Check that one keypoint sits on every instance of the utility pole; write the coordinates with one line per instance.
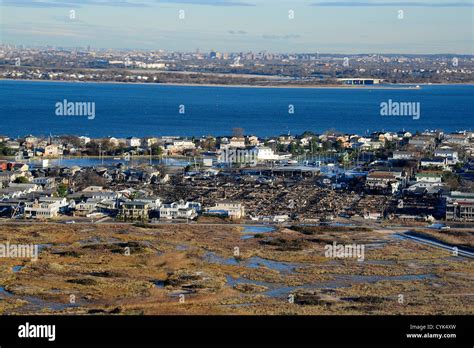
(100, 152)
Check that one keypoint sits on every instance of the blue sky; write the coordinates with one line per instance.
(428, 26)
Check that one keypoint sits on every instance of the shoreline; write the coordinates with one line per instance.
(98, 158)
(358, 87)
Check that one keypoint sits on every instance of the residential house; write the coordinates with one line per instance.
(44, 208)
(134, 142)
(438, 162)
(405, 155)
(84, 140)
(385, 181)
(253, 141)
(422, 143)
(180, 210)
(266, 154)
(134, 211)
(457, 139)
(460, 206)
(237, 142)
(52, 150)
(451, 156)
(45, 181)
(231, 209)
(18, 167)
(180, 145)
(429, 177)
(86, 207)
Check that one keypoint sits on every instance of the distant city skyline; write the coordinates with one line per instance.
(410, 27)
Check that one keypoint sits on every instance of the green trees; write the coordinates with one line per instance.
(62, 190)
(6, 151)
(21, 180)
(156, 150)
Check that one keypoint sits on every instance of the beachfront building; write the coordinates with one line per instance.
(52, 150)
(231, 209)
(180, 210)
(86, 207)
(179, 145)
(460, 206)
(44, 208)
(134, 211)
(237, 142)
(134, 142)
(266, 154)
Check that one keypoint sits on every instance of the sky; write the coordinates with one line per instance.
(325, 26)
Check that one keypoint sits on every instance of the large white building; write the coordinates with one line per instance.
(180, 210)
(266, 154)
(134, 142)
(429, 177)
(44, 208)
(451, 156)
(438, 162)
(404, 155)
(231, 209)
(180, 145)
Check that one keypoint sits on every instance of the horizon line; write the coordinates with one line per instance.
(55, 47)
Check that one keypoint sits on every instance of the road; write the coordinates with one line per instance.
(437, 244)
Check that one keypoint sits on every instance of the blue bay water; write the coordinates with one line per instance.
(28, 107)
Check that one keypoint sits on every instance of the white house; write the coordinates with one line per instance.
(451, 156)
(84, 140)
(52, 150)
(266, 154)
(180, 210)
(26, 186)
(404, 155)
(383, 180)
(434, 162)
(154, 203)
(237, 142)
(114, 141)
(87, 207)
(134, 142)
(457, 139)
(180, 145)
(44, 180)
(44, 208)
(10, 193)
(231, 209)
(428, 177)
